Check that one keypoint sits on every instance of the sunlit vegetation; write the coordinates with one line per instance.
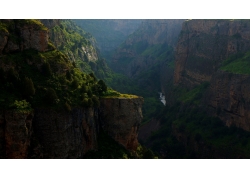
(238, 63)
(110, 93)
(49, 80)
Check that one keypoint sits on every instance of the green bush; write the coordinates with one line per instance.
(46, 69)
(51, 96)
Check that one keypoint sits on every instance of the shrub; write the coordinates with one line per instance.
(46, 69)
(51, 96)
(96, 101)
(75, 83)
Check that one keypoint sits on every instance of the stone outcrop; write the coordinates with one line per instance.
(121, 118)
(30, 35)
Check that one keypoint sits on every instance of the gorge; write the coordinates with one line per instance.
(65, 93)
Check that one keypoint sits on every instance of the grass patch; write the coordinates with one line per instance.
(110, 93)
(238, 64)
(193, 95)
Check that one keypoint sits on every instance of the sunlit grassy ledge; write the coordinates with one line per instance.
(114, 94)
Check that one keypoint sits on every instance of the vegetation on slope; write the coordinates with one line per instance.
(188, 132)
(47, 79)
(238, 63)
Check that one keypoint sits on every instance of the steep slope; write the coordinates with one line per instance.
(150, 43)
(48, 107)
(78, 45)
(109, 33)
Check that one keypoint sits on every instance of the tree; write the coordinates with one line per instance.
(102, 86)
(93, 76)
(75, 83)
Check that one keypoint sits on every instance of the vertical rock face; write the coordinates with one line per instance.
(120, 118)
(34, 38)
(47, 133)
(15, 134)
(228, 98)
(204, 44)
(202, 47)
(66, 135)
(32, 35)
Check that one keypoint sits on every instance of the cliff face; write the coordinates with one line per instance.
(31, 35)
(121, 119)
(228, 98)
(15, 134)
(48, 107)
(203, 47)
(204, 44)
(61, 33)
(109, 33)
(46, 133)
(136, 53)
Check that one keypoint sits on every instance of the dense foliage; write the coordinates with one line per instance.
(47, 80)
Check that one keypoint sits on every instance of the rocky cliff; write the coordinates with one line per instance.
(48, 107)
(31, 35)
(146, 46)
(204, 44)
(203, 48)
(121, 119)
(46, 133)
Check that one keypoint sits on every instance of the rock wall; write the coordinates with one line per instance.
(30, 35)
(202, 47)
(121, 118)
(15, 134)
(48, 133)
(204, 44)
(228, 98)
